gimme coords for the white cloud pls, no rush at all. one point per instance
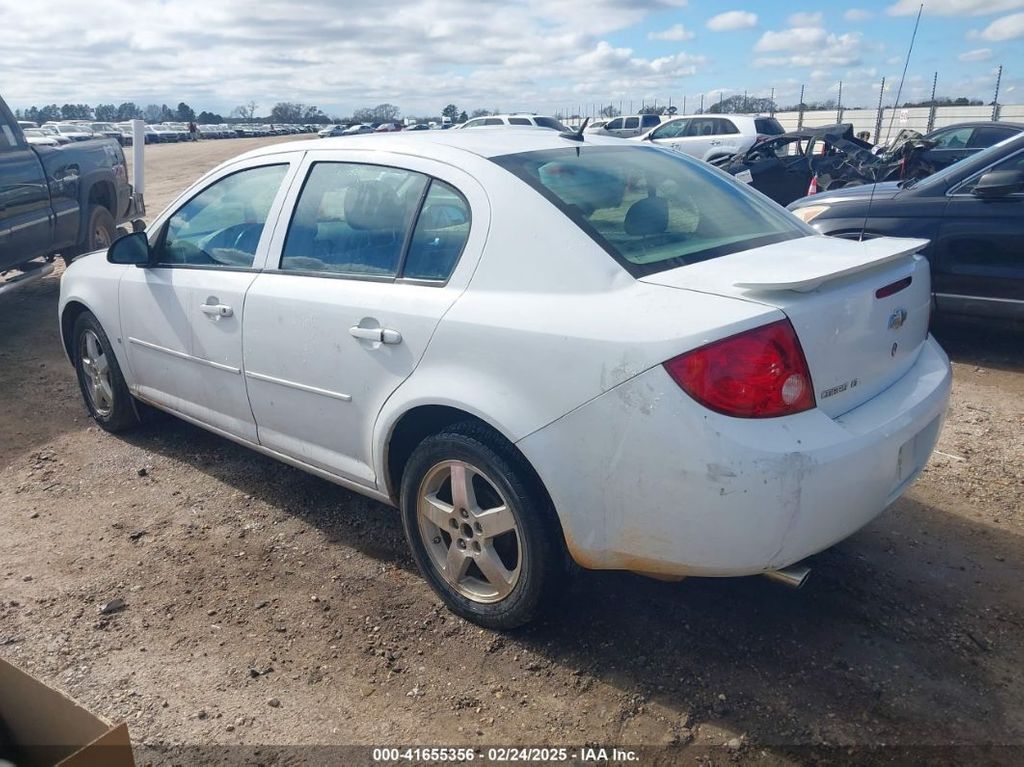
(806, 19)
(677, 32)
(798, 39)
(730, 20)
(421, 54)
(981, 54)
(805, 47)
(858, 14)
(954, 7)
(1007, 28)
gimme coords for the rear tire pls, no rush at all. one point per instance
(100, 233)
(481, 528)
(103, 387)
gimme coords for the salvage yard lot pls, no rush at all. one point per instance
(266, 606)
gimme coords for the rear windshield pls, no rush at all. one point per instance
(768, 126)
(653, 209)
(549, 122)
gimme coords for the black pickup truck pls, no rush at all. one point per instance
(64, 200)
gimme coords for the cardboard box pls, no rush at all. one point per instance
(41, 727)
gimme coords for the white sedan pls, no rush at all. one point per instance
(542, 349)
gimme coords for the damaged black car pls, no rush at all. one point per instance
(810, 160)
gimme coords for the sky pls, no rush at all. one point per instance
(544, 56)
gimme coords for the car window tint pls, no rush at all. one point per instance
(653, 210)
(440, 234)
(632, 122)
(494, 121)
(352, 219)
(549, 122)
(519, 121)
(768, 126)
(615, 124)
(7, 135)
(1016, 162)
(473, 124)
(222, 225)
(953, 139)
(672, 129)
(701, 127)
(982, 138)
(649, 121)
(725, 127)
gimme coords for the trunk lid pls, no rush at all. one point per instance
(860, 309)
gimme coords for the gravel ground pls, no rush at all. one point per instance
(267, 607)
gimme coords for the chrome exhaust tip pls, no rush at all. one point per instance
(793, 576)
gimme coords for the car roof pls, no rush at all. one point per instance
(443, 145)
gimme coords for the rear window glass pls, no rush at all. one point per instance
(518, 121)
(768, 126)
(652, 209)
(549, 122)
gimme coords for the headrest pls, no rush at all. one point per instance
(373, 205)
(647, 216)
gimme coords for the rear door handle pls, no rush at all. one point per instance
(379, 335)
(217, 310)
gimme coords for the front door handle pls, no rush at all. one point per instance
(378, 335)
(216, 310)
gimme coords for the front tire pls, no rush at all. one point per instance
(481, 529)
(103, 387)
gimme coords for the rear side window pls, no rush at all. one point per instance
(649, 121)
(982, 138)
(725, 127)
(493, 121)
(352, 219)
(549, 122)
(653, 210)
(768, 126)
(702, 126)
(519, 121)
(632, 122)
(953, 139)
(440, 234)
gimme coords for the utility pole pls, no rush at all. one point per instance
(878, 112)
(701, 110)
(839, 104)
(931, 111)
(771, 109)
(995, 99)
(800, 106)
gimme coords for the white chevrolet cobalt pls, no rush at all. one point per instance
(544, 350)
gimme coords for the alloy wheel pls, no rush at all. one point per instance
(96, 368)
(469, 531)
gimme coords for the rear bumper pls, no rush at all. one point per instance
(645, 479)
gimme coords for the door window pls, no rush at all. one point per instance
(953, 139)
(519, 121)
(7, 135)
(1016, 162)
(701, 126)
(222, 225)
(982, 138)
(632, 123)
(673, 129)
(725, 127)
(352, 219)
(615, 124)
(440, 234)
(649, 121)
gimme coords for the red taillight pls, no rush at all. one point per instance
(761, 373)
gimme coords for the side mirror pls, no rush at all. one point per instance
(130, 249)
(999, 183)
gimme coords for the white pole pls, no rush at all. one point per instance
(138, 156)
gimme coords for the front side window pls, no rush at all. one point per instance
(352, 219)
(615, 124)
(494, 121)
(519, 121)
(672, 129)
(222, 225)
(1014, 163)
(953, 139)
(473, 124)
(651, 209)
(7, 135)
(632, 123)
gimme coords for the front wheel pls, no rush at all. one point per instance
(103, 387)
(481, 529)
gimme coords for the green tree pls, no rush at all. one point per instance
(128, 111)
(479, 113)
(76, 112)
(49, 113)
(209, 118)
(386, 113)
(610, 111)
(463, 116)
(167, 114)
(451, 112)
(106, 113)
(185, 113)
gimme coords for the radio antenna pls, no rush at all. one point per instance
(892, 117)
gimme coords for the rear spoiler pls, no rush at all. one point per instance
(809, 274)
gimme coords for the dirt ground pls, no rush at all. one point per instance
(267, 607)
